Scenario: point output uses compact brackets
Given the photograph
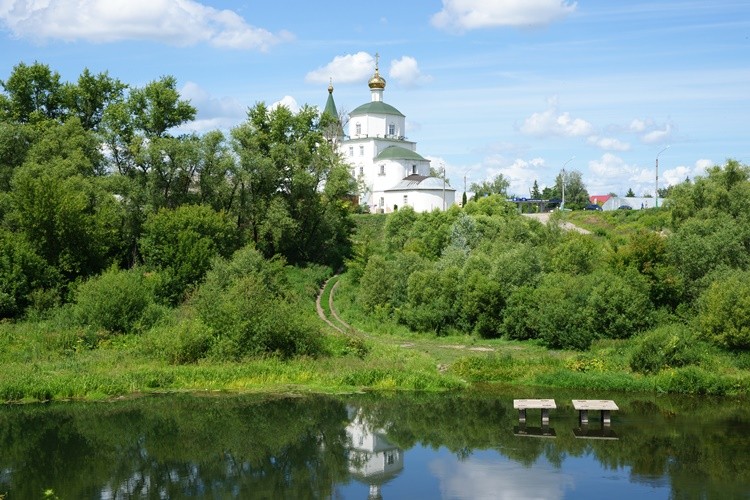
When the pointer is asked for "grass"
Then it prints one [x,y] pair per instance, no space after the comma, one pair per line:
[54,360]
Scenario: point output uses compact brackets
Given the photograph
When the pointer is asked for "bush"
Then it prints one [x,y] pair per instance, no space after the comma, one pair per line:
[724,311]
[115,301]
[185,342]
[670,346]
[251,309]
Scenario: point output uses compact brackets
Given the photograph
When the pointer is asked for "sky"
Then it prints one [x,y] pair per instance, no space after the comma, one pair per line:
[522,88]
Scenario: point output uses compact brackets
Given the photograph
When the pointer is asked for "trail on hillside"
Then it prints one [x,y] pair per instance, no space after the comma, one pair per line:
[544,218]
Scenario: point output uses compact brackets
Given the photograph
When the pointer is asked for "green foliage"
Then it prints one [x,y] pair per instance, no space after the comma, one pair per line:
[182,243]
[724,311]
[576,254]
[701,246]
[184,342]
[116,301]
[498,185]
[22,273]
[70,219]
[669,346]
[252,310]
[292,187]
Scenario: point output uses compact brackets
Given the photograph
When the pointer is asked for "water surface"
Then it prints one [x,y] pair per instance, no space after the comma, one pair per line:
[396,446]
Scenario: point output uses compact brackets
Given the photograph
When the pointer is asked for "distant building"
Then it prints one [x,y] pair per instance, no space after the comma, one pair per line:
[389,172]
[636,203]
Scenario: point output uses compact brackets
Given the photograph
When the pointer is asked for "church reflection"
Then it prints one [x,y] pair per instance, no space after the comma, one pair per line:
[373,460]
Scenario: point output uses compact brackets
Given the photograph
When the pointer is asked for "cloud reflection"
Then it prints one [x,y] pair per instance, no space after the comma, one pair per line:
[500,480]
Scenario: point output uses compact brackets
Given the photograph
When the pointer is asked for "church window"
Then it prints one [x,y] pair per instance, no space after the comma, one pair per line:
[361,170]
[361,151]
[413,169]
[391,129]
[382,169]
[351,150]
[358,126]
[406,200]
[382,202]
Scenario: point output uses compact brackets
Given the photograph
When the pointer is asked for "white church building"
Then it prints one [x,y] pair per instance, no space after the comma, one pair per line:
[389,172]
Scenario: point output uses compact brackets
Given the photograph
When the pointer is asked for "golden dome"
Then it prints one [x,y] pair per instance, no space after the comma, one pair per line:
[377,81]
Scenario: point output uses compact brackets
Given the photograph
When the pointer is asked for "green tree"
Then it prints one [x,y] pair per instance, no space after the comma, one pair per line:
[498,185]
[576,195]
[181,244]
[535,193]
[724,311]
[32,93]
[291,186]
[22,273]
[252,310]
[71,220]
[157,107]
[630,193]
[89,97]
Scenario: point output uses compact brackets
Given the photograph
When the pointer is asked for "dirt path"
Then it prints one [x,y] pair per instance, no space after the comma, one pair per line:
[544,218]
[344,328]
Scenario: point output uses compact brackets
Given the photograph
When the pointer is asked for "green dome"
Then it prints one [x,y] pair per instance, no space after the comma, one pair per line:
[376,108]
[398,153]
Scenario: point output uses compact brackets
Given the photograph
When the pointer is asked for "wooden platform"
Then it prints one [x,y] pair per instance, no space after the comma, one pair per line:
[605,406]
[532,404]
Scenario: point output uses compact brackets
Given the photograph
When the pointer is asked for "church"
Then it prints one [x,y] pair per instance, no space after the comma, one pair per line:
[386,166]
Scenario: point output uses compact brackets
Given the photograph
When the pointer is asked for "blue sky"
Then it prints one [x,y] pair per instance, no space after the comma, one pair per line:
[517,87]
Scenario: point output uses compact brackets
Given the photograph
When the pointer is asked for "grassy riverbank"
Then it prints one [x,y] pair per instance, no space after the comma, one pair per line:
[43,361]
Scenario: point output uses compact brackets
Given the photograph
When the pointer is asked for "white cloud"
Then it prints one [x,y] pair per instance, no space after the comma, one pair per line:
[553,122]
[288,102]
[520,174]
[350,68]
[608,143]
[406,71]
[610,166]
[658,136]
[676,175]
[637,126]
[175,22]
[464,15]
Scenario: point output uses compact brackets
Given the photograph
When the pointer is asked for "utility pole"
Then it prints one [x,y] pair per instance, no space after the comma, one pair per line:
[656,192]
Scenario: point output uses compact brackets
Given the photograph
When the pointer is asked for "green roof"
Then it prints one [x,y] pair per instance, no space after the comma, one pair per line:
[331,106]
[398,153]
[375,108]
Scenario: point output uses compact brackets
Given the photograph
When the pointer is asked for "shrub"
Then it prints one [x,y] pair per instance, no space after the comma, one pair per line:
[724,311]
[670,346]
[251,309]
[114,301]
[185,342]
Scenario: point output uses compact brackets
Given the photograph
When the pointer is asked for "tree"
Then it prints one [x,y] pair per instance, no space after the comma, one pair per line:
[181,244]
[498,185]
[157,107]
[90,96]
[535,193]
[724,315]
[292,188]
[576,195]
[33,93]
[630,193]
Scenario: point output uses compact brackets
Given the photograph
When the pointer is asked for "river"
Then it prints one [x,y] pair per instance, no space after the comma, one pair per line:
[461,445]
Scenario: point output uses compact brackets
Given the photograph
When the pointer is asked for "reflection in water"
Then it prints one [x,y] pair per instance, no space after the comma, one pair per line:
[372,458]
[464,445]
